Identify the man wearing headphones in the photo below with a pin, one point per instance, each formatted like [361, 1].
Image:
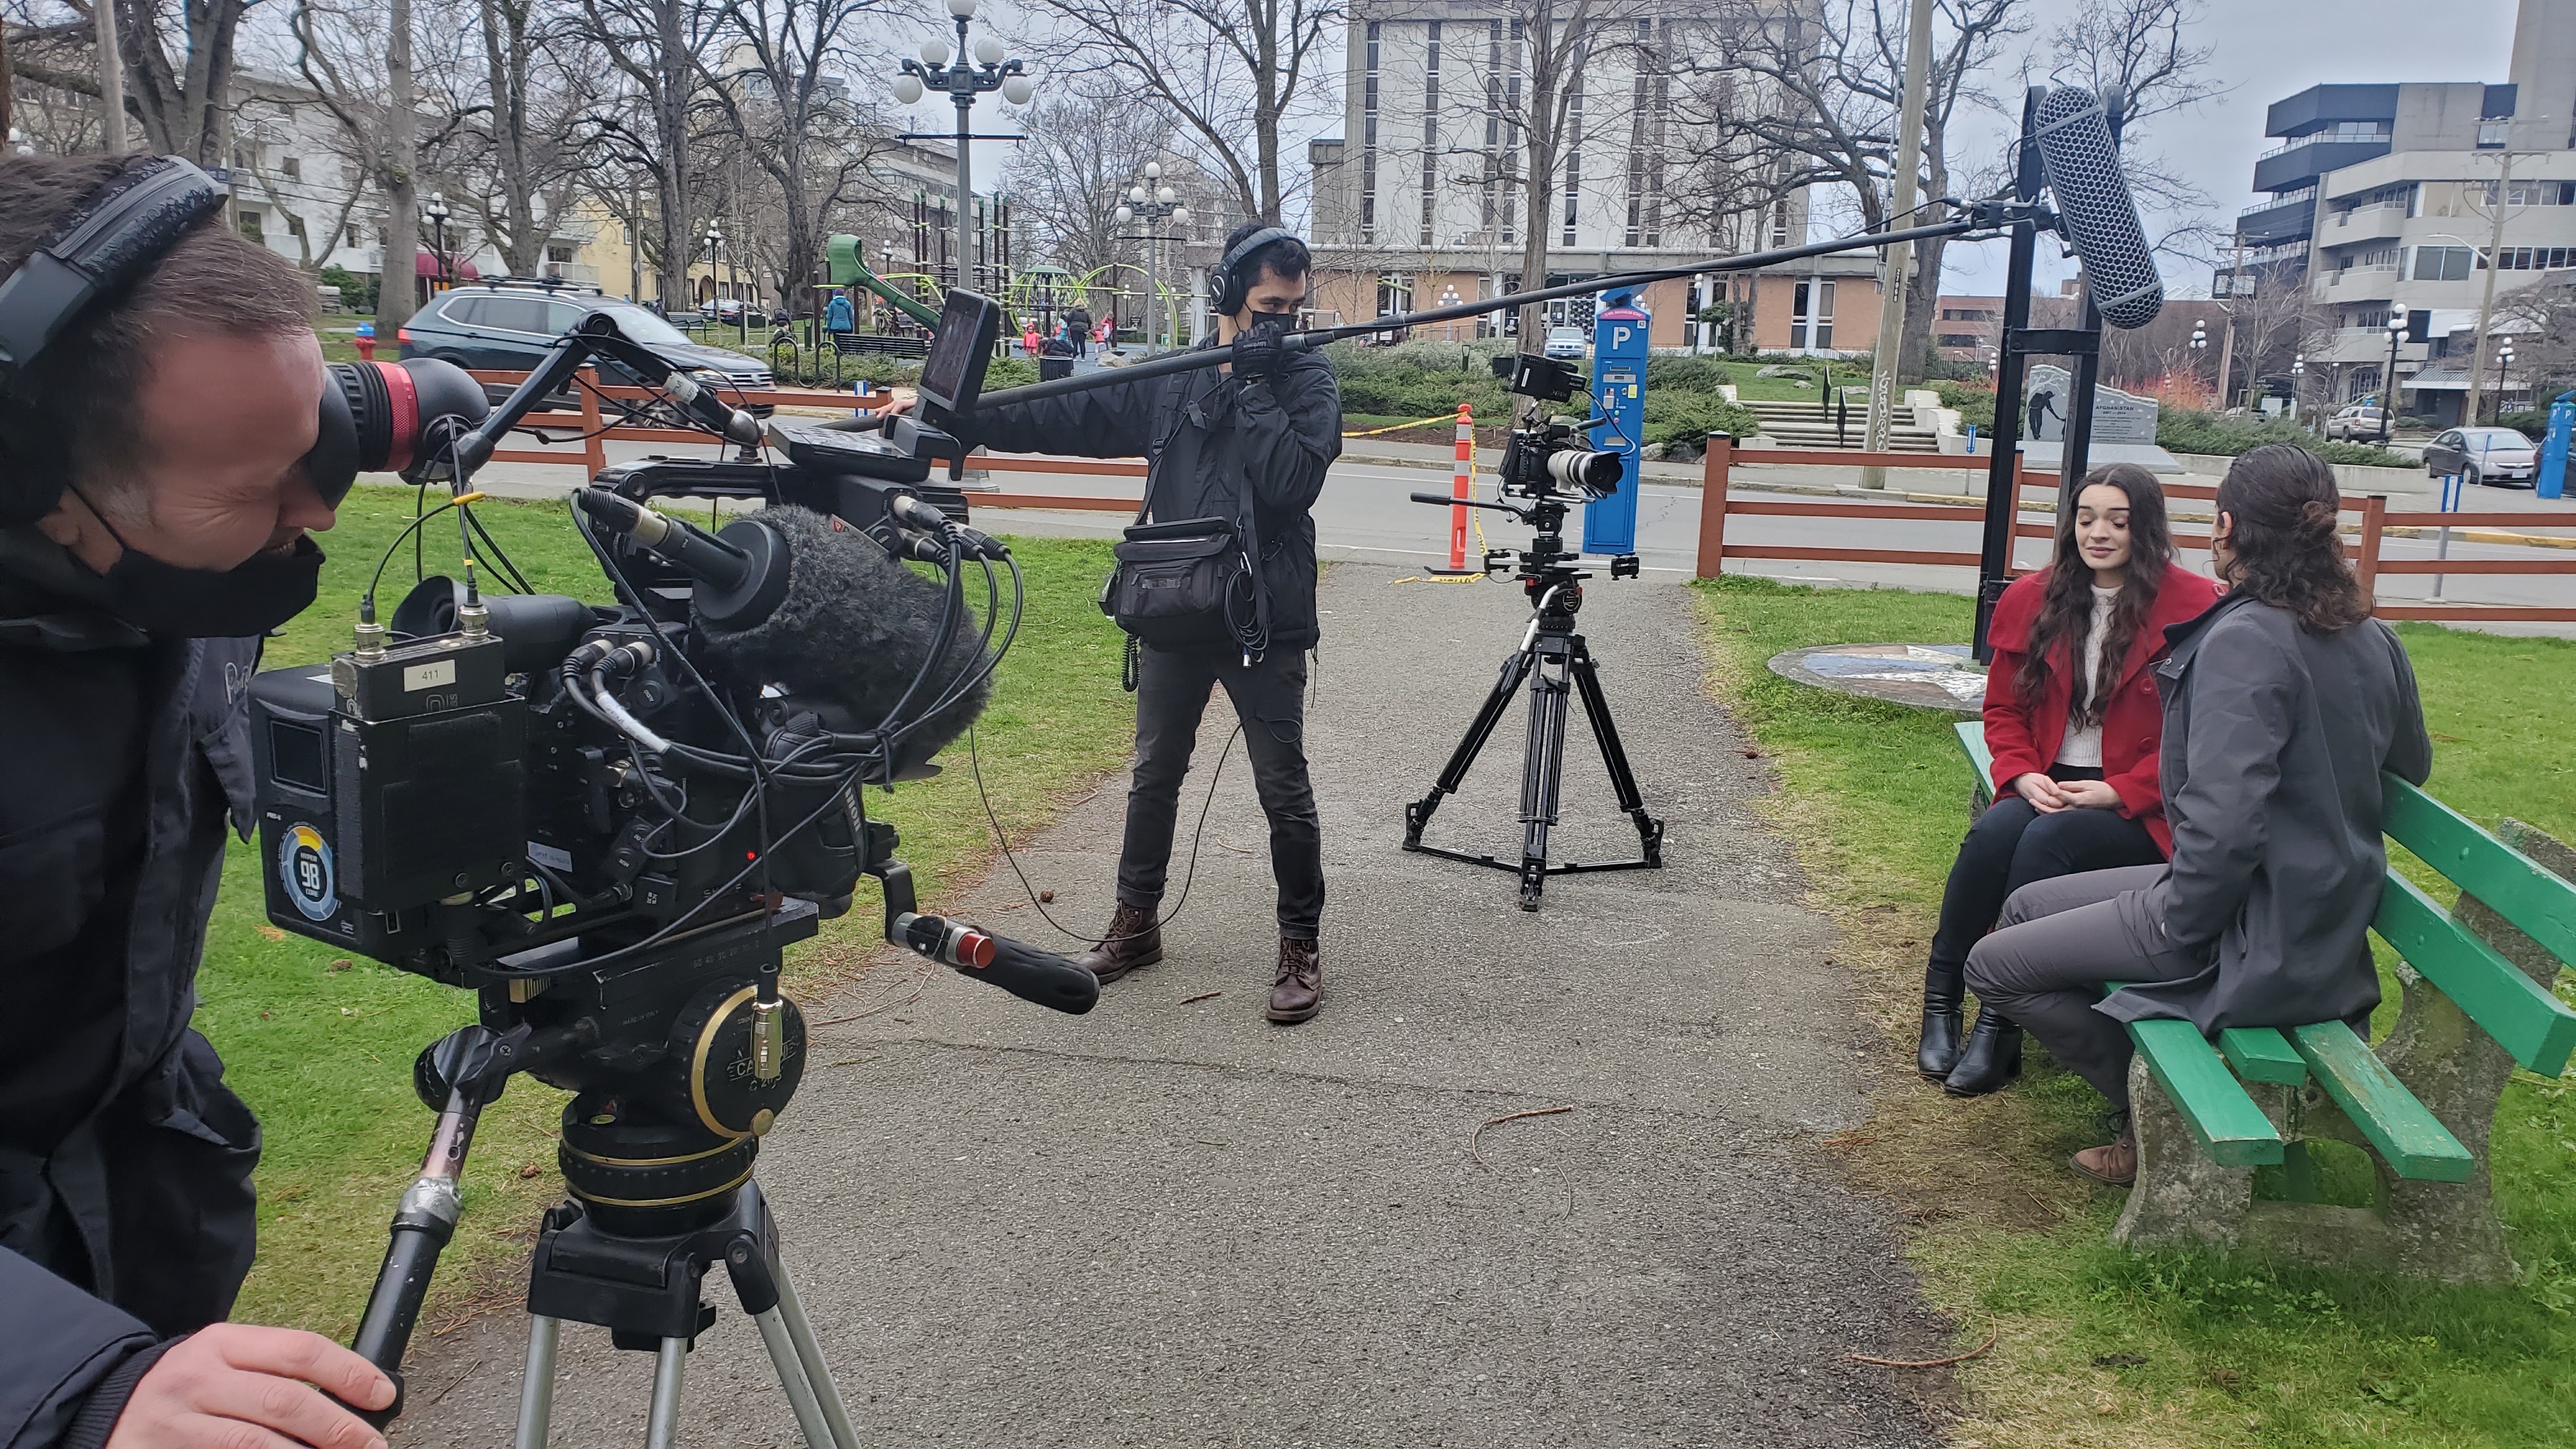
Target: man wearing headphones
[159, 388]
[1251, 438]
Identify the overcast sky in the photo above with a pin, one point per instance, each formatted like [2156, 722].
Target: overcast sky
[2266, 50]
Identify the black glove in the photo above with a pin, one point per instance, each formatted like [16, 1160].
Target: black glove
[1262, 351]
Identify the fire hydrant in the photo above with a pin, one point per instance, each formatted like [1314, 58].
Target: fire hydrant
[366, 341]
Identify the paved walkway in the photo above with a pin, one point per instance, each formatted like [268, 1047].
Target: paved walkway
[1169, 1223]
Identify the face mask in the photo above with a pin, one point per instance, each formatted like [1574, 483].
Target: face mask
[183, 603]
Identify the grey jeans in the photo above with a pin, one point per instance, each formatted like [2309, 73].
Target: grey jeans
[2052, 950]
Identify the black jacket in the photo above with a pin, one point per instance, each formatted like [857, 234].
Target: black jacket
[1209, 441]
[125, 1199]
[2274, 740]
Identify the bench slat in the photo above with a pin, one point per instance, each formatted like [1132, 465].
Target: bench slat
[2535, 1026]
[1972, 738]
[2517, 887]
[2262, 1054]
[2230, 1128]
[2409, 1137]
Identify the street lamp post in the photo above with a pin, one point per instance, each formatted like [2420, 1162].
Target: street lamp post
[715, 279]
[2298, 385]
[1153, 202]
[2504, 359]
[2388, 394]
[2199, 345]
[963, 83]
[436, 210]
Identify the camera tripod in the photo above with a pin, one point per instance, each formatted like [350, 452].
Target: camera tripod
[1556, 662]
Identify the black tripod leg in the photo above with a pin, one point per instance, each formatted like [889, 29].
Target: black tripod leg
[1542, 767]
[1418, 814]
[1614, 756]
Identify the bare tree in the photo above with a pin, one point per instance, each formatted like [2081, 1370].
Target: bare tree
[654, 47]
[1808, 95]
[2137, 48]
[520, 97]
[178, 65]
[1230, 71]
[1083, 143]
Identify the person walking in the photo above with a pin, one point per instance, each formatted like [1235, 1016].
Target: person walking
[2283, 705]
[1077, 326]
[1249, 441]
[2071, 722]
[837, 316]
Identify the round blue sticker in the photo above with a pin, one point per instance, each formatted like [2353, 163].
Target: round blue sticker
[304, 868]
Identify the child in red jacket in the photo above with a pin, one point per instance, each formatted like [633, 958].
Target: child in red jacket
[2073, 723]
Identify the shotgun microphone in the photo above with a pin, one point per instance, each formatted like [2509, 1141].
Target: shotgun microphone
[2101, 218]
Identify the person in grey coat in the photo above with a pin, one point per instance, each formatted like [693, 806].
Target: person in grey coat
[2282, 706]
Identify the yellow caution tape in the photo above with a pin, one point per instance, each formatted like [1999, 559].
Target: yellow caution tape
[1450, 417]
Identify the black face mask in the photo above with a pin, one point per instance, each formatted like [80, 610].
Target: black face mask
[182, 603]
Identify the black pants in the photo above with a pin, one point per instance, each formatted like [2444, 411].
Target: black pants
[1172, 692]
[2013, 844]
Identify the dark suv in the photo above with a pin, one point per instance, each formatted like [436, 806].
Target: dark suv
[508, 325]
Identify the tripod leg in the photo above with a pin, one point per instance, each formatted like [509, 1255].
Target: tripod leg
[1418, 814]
[537, 1390]
[662, 1423]
[1614, 756]
[1542, 770]
[791, 1379]
[809, 1349]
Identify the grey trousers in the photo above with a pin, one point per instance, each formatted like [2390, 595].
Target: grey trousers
[2055, 945]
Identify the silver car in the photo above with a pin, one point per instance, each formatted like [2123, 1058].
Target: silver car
[2484, 455]
[2355, 423]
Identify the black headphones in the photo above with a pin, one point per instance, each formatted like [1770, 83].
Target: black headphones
[373, 413]
[1226, 289]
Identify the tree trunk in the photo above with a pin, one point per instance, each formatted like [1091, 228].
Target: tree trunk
[671, 128]
[1546, 119]
[1914, 345]
[401, 270]
[505, 63]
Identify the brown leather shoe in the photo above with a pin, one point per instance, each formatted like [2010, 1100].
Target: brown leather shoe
[2114, 1163]
[1298, 991]
[1134, 939]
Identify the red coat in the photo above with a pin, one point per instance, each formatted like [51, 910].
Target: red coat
[2024, 741]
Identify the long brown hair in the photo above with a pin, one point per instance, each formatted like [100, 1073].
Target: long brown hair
[2066, 612]
[2288, 551]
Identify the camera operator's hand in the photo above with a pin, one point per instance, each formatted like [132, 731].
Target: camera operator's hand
[234, 1385]
[1261, 351]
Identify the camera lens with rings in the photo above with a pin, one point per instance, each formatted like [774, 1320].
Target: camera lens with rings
[388, 417]
[1595, 475]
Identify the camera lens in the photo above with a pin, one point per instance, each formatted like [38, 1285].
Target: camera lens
[1595, 474]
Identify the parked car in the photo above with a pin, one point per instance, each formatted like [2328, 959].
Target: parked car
[2484, 455]
[509, 326]
[1567, 342]
[2355, 422]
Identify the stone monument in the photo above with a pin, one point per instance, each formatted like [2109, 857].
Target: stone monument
[2124, 424]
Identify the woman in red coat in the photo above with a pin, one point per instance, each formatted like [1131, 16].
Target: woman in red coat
[2073, 722]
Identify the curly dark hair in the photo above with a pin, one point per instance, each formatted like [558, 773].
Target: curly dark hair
[2282, 505]
[2067, 610]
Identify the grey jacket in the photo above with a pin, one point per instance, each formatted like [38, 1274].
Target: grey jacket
[2274, 740]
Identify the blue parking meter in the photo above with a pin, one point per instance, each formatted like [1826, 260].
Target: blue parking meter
[2553, 448]
[1619, 391]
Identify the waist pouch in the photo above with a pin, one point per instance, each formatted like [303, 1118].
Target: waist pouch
[1183, 585]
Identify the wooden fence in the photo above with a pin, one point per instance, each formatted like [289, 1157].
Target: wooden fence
[2369, 520]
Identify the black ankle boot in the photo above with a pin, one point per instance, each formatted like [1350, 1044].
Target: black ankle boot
[1938, 1051]
[1992, 1057]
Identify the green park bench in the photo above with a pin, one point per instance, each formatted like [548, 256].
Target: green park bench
[2477, 999]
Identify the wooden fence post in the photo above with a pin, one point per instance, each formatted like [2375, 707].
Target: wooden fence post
[2374, 512]
[594, 448]
[1712, 503]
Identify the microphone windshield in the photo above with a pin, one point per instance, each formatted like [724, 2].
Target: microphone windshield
[2083, 170]
[852, 628]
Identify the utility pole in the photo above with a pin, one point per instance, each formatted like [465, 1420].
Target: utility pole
[2486, 304]
[2227, 343]
[1898, 261]
[111, 79]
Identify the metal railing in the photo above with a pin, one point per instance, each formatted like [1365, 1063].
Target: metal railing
[2287, 198]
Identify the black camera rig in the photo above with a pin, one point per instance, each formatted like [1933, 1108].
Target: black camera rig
[609, 828]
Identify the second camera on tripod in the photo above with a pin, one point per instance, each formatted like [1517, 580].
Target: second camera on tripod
[1550, 456]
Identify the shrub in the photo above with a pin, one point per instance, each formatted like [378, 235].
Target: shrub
[2530, 422]
[1685, 374]
[1976, 405]
[1683, 420]
[2182, 430]
[357, 293]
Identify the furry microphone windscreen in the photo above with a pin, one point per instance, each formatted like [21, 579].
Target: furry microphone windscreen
[853, 629]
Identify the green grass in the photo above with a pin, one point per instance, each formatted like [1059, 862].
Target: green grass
[2097, 1346]
[321, 1045]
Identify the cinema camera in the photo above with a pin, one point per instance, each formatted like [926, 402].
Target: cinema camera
[1544, 460]
[608, 822]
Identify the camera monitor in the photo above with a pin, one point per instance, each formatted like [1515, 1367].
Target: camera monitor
[952, 376]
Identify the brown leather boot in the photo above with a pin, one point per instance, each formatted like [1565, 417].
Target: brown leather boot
[1298, 991]
[1134, 939]
[2115, 1162]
